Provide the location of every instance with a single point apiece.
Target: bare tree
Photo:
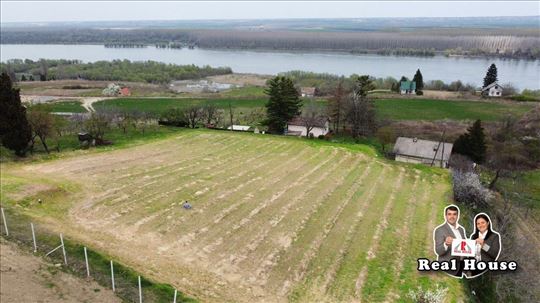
(124, 120)
(310, 117)
(336, 106)
(42, 124)
(44, 69)
(61, 127)
(386, 135)
(360, 110)
(209, 113)
(506, 153)
(193, 114)
(97, 125)
(231, 114)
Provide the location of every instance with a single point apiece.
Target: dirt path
(26, 278)
(86, 102)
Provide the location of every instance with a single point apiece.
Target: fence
(86, 263)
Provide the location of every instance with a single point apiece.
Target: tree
(231, 115)
(336, 106)
(175, 117)
(506, 153)
(491, 75)
(386, 135)
(15, 132)
(123, 120)
(97, 125)
(283, 104)
(23, 78)
(472, 143)
(210, 114)
(310, 117)
(44, 70)
(193, 115)
(419, 82)
(42, 124)
(360, 111)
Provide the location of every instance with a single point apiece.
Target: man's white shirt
(455, 230)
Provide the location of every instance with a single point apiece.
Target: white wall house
(243, 128)
(307, 92)
(492, 90)
(296, 127)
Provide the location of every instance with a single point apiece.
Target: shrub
(468, 189)
(438, 295)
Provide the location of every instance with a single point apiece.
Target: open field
(160, 105)
(428, 109)
(67, 106)
(394, 109)
(274, 219)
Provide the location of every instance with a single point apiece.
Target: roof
(307, 90)
(239, 127)
(491, 85)
(422, 148)
(318, 122)
(407, 85)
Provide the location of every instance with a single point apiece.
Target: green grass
(160, 105)
(393, 109)
(70, 143)
(245, 92)
(426, 109)
(67, 107)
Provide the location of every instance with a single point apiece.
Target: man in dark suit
(443, 236)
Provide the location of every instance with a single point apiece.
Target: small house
(125, 92)
(492, 90)
(407, 87)
(414, 150)
(308, 91)
(297, 127)
(243, 128)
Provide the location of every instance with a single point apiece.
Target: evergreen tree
(491, 75)
(23, 78)
(472, 143)
(15, 131)
(419, 81)
(283, 105)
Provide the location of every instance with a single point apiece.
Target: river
(521, 73)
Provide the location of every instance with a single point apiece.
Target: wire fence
(85, 262)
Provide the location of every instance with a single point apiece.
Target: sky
(50, 11)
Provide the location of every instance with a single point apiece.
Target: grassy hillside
(273, 218)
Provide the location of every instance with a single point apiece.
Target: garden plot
(274, 219)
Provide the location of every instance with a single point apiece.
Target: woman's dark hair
(476, 231)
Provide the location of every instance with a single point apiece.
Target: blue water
(521, 73)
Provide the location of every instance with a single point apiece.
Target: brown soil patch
(26, 278)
